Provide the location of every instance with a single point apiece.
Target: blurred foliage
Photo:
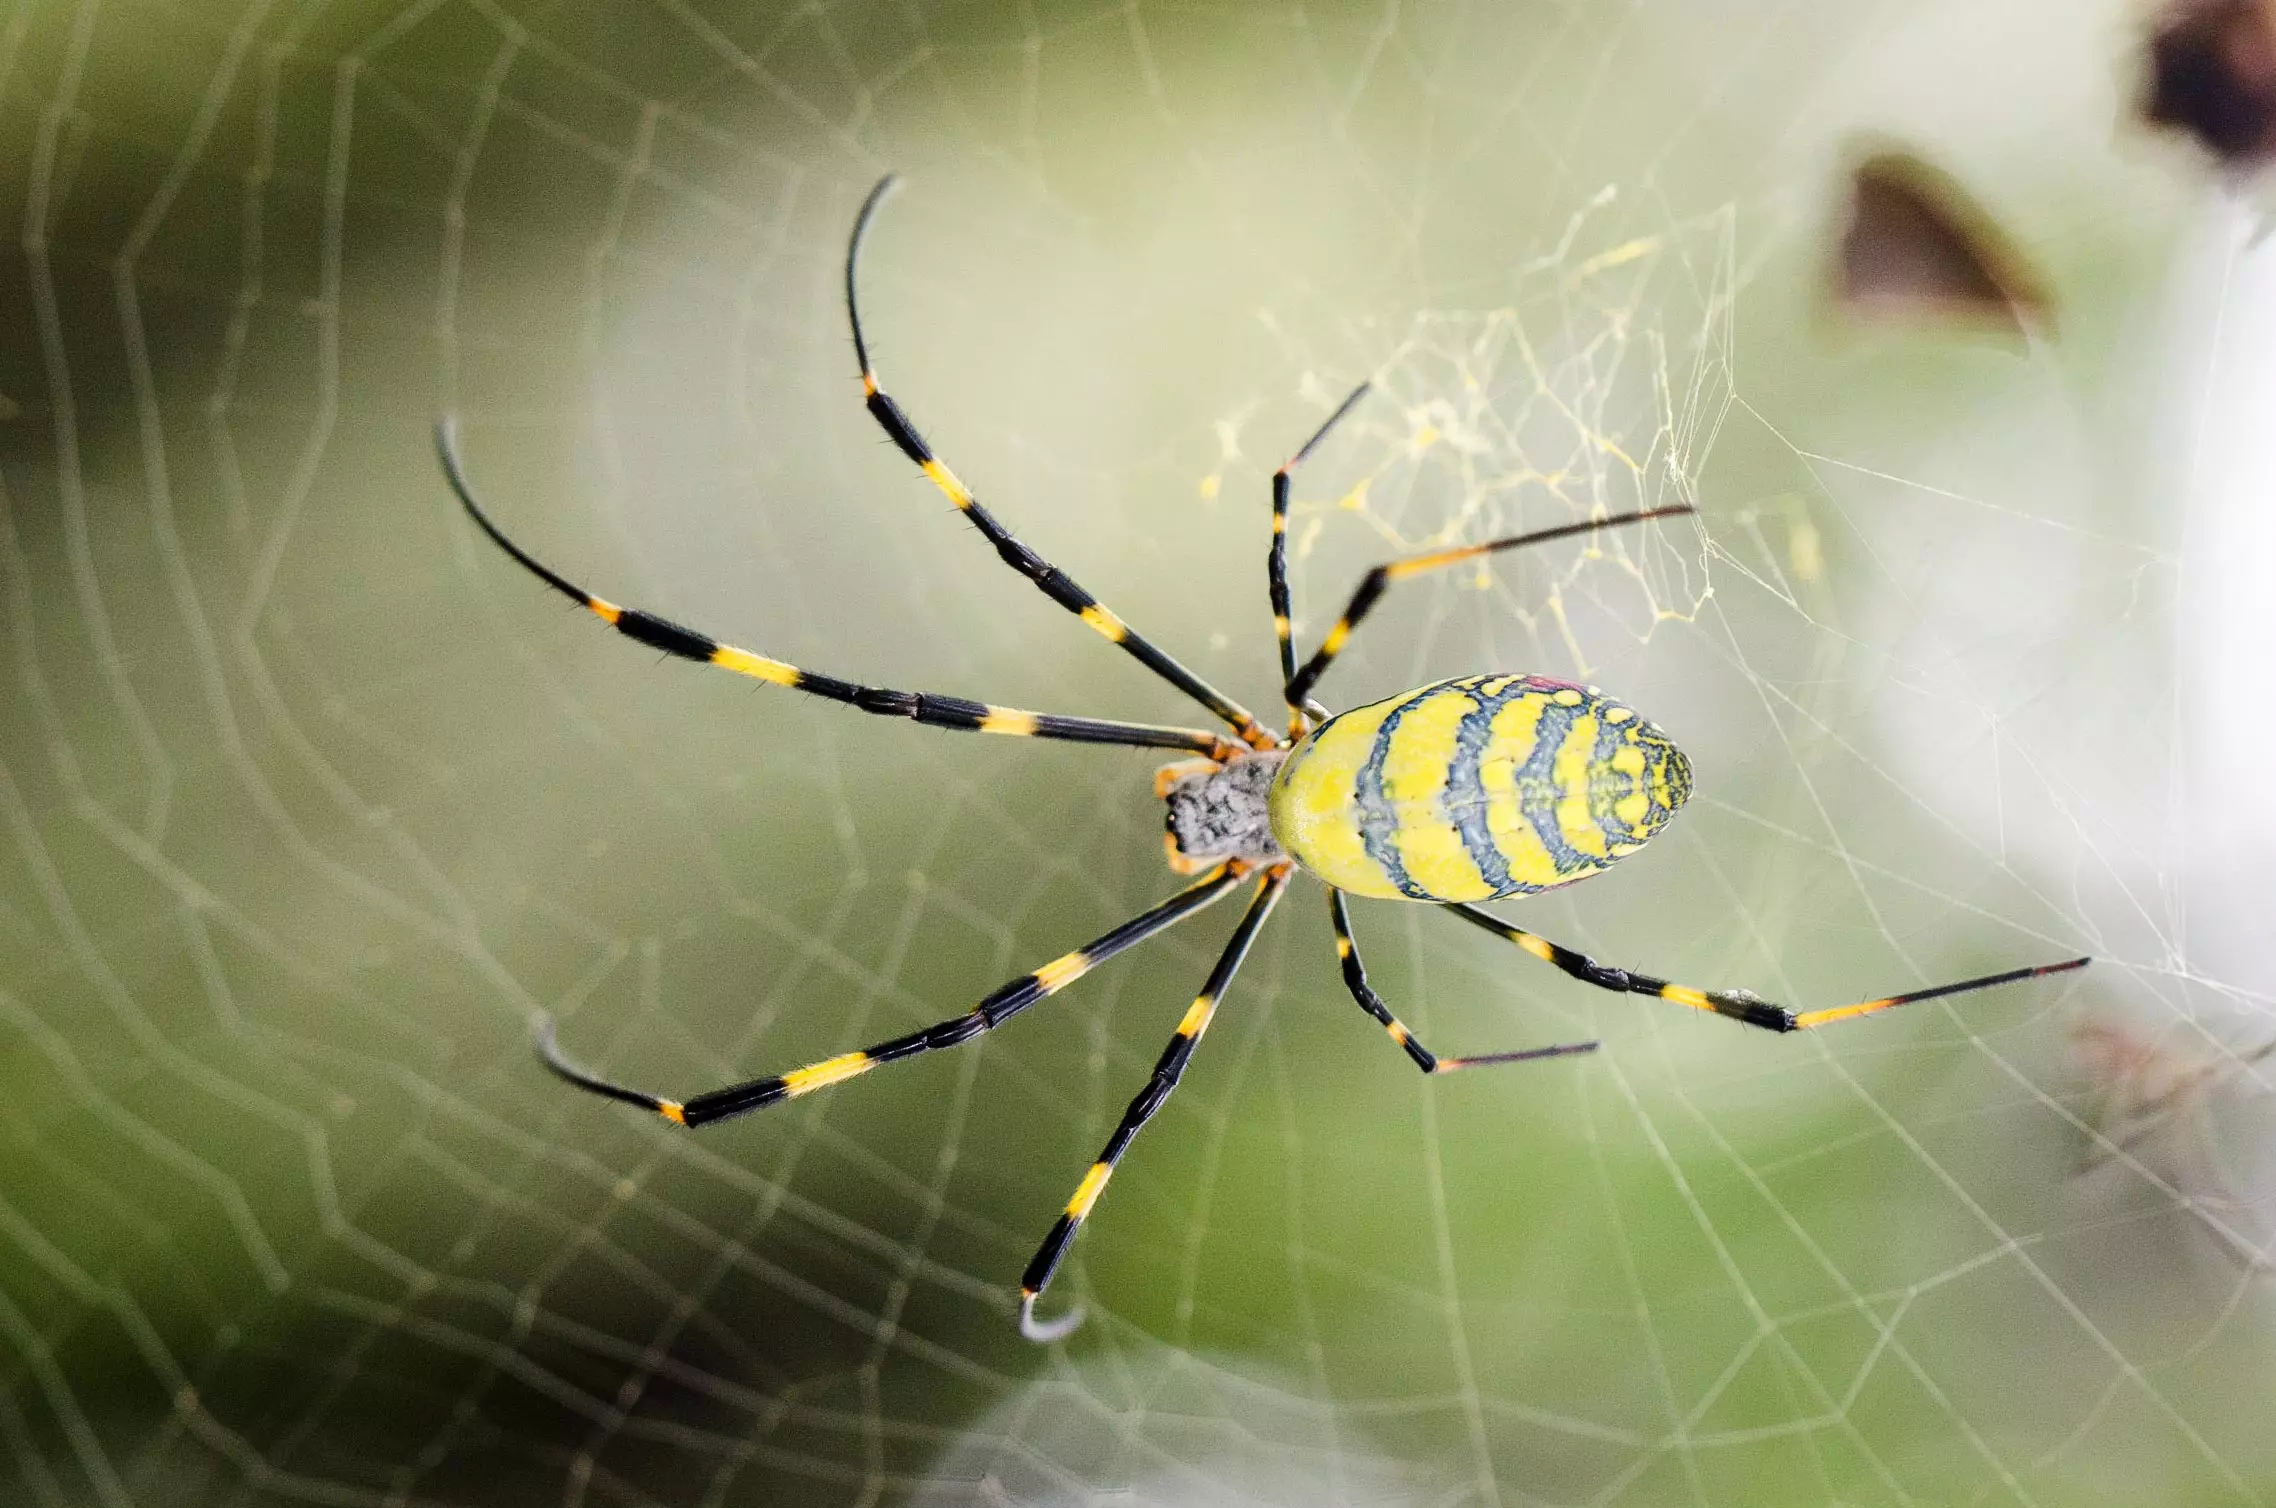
(312, 801)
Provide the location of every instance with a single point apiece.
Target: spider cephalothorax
(1463, 790)
(1218, 811)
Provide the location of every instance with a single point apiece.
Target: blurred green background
(311, 799)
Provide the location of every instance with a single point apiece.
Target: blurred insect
(1474, 789)
(2212, 74)
(1917, 248)
(2154, 1114)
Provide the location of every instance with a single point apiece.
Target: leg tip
(1522, 1055)
(1043, 1332)
(877, 192)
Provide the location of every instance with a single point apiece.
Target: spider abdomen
(1475, 789)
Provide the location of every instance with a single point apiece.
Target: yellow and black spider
(1473, 789)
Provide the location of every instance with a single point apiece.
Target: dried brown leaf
(1916, 248)
(2212, 74)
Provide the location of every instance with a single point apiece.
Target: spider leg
(1371, 586)
(924, 707)
(1168, 1069)
(1355, 980)
(994, 1011)
(1053, 582)
(1740, 1005)
(1276, 562)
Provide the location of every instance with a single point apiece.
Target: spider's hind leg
(1743, 1006)
(1168, 1069)
(1355, 980)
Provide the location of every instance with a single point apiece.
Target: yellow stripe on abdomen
(1516, 731)
(1574, 773)
(1415, 770)
(1314, 802)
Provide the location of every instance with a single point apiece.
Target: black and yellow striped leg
(1276, 563)
(1740, 1005)
(1355, 980)
(1372, 585)
(924, 707)
(1053, 582)
(1168, 1069)
(992, 1012)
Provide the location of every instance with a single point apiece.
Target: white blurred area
(2223, 820)
(2105, 506)
(1147, 1425)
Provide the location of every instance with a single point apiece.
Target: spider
(1479, 788)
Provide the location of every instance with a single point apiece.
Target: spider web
(312, 800)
